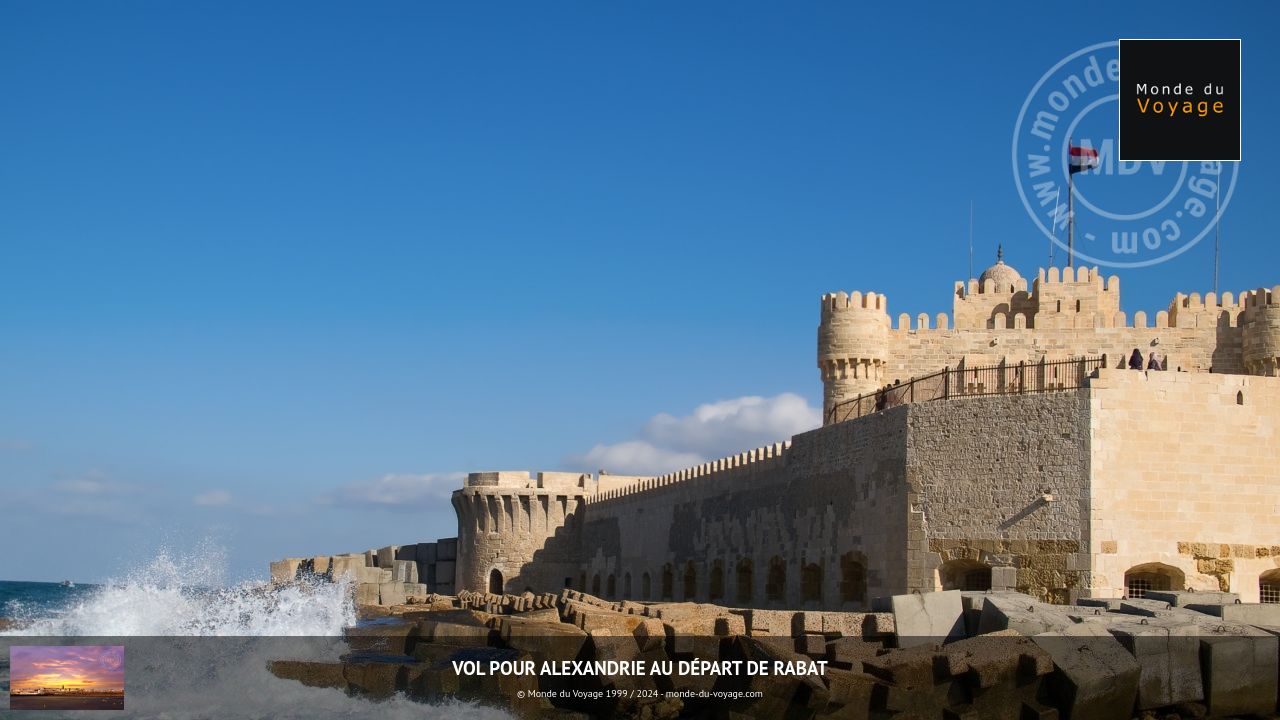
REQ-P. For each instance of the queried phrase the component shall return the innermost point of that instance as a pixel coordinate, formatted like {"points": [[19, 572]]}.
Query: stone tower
{"points": [[517, 531], [853, 345], [1261, 337]]}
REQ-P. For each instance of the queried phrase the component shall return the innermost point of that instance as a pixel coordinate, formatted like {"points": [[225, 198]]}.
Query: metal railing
{"points": [[1001, 379]]}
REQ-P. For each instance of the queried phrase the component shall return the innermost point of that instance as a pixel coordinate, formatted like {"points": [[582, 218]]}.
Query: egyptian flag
{"points": [[1082, 159]]}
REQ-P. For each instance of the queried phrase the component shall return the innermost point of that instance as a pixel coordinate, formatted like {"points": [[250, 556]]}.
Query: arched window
{"points": [[1269, 586], [715, 590], [611, 587], [964, 574], [644, 586], [595, 585], [853, 578], [811, 582], [626, 585], [690, 581], [668, 582], [775, 586], [744, 572], [495, 582], [1240, 397], [1152, 576]]}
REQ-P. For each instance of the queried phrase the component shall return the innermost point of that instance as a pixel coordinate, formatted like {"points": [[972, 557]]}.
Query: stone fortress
{"points": [[1115, 483]]}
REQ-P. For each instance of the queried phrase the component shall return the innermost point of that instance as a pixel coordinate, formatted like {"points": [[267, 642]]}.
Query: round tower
{"points": [[853, 345], [517, 532], [1260, 338]]}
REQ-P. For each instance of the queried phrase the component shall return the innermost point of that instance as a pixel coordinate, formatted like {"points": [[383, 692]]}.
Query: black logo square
{"points": [[1179, 100]]}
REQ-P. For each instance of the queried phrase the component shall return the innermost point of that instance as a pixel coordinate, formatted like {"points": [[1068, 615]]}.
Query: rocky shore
{"points": [[937, 655]]}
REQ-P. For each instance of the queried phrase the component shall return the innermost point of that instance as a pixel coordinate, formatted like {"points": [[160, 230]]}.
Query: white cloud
{"points": [[633, 457], [398, 490], [213, 498], [711, 431], [93, 482]]}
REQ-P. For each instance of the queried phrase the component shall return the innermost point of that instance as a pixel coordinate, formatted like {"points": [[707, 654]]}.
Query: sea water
{"points": [[198, 649]]}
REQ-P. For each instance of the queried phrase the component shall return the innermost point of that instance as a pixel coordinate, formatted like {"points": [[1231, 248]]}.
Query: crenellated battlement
{"points": [[856, 300], [756, 459], [1063, 312]]}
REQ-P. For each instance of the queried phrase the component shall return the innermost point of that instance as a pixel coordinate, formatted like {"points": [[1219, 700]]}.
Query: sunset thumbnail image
{"points": [[66, 677]]}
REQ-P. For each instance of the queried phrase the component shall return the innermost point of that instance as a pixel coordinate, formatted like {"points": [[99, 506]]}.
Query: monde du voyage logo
{"points": [[1105, 210]]}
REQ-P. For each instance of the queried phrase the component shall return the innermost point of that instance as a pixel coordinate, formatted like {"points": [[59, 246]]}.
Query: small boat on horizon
{"points": [[68, 583]]}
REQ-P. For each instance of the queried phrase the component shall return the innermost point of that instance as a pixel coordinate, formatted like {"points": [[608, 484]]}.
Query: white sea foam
{"points": [[196, 648]]}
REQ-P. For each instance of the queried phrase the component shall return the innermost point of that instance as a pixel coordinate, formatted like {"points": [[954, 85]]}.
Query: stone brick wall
{"points": [[1185, 470], [827, 518], [1003, 481]]}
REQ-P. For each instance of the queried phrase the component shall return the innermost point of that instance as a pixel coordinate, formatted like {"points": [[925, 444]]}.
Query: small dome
{"points": [[1003, 275]]}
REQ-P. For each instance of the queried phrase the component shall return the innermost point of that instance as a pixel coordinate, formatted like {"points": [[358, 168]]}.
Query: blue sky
{"points": [[273, 273]]}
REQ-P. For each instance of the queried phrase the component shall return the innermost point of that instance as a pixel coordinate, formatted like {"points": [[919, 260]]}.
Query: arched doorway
{"points": [[1140, 579], [964, 574], [775, 586], [853, 578], [611, 587], [495, 582], [811, 582], [690, 581], [626, 586], [715, 589], [744, 580], [645, 586], [668, 582], [1269, 587]]}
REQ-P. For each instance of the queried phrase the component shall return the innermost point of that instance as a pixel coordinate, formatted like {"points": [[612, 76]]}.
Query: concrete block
{"points": [[730, 625], [285, 570], [348, 567], [367, 594], [407, 552], [1249, 613], [544, 641], [770, 622], [465, 635], [391, 593], [1020, 613], [650, 635], [1168, 654], [447, 549], [1188, 598], [426, 553], [850, 652], [812, 644], [444, 572], [925, 618], [1240, 669], [405, 571], [320, 564], [387, 556], [1094, 677]]}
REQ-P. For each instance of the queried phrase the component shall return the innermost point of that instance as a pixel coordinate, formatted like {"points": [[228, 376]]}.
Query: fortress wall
{"points": [[979, 470], [822, 524], [1198, 348], [1185, 476]]}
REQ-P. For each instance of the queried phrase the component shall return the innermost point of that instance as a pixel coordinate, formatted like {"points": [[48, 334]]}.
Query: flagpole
{"points": [[1217, 231], [970, 239], [1057, 214], [1071, 210]]}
